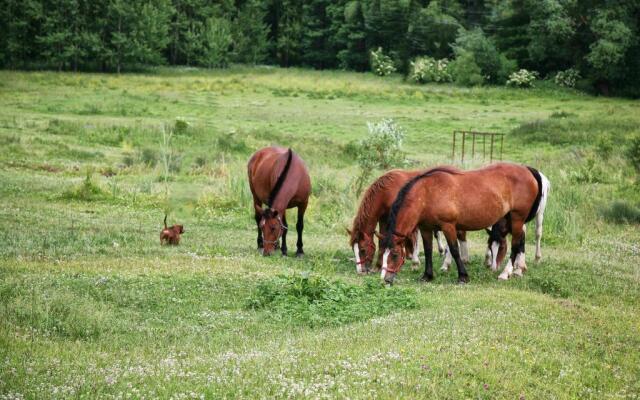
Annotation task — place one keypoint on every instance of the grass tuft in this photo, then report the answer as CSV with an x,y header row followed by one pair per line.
x,y
314,301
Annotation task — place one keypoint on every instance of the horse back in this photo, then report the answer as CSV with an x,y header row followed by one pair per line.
x,y
266,166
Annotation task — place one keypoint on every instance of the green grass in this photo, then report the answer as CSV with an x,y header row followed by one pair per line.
x,y
91,305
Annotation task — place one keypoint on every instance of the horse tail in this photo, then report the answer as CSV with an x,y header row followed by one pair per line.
x,y
281,178
165,221
536,202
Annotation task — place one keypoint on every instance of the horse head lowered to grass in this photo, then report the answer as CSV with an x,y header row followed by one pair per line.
x,y
278,178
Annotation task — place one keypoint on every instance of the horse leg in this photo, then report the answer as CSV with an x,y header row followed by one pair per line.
x,y
539,219
427,243
257,205
284,233
441,247
383,231
520,264
464,246
517,249
449,231
446,262
415,259
299,228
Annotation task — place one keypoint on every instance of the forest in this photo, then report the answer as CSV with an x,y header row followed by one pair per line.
x,y
593,42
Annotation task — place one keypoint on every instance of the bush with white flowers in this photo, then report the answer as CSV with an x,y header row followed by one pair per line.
x,y
381,64
567,78
427,69
523,78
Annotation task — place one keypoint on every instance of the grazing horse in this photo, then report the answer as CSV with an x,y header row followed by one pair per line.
x,y
374,210
441,198
278,178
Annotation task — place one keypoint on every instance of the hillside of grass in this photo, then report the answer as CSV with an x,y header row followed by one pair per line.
x,y
92,306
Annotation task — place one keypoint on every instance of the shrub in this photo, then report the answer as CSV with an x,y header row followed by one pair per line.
x,y
381,64
522,78
380,149
465,71
427,69
567,78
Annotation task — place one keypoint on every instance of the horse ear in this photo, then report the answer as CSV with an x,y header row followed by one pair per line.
x,y
379,236
348,231
488,231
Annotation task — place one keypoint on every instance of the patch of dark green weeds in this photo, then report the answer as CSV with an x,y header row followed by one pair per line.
x,y
305,299
621,212
548,285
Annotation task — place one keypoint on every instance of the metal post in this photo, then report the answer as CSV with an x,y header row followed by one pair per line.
x,y
453,148
473,147
484,148
464,135
491,156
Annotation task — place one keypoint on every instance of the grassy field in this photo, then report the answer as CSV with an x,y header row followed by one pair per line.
x,y
92,306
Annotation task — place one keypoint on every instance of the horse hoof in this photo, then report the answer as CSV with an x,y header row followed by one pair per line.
x,y
426,278
444,269
463,281
299,254
518,273
503,277
260,250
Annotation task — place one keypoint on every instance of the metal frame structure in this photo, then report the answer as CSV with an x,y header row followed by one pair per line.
x,y
493,139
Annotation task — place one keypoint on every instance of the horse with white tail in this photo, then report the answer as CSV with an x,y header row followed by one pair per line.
x,y
449,200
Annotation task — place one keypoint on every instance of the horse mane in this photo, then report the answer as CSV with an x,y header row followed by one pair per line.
x,y
364,211
280,181
400,198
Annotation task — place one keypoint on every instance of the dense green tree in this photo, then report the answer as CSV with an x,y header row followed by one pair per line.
x,y
495,67
599,38
316,41
250,33
349,34
217,43
432,29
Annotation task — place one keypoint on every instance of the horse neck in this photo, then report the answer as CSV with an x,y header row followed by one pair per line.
x,y
407,219
368,216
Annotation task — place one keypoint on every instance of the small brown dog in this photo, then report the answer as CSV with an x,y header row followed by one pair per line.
x,y
171,235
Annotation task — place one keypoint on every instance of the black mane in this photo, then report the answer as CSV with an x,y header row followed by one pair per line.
x,y
399,202
280,181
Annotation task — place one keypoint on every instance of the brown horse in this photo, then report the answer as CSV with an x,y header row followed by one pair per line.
x,y
461,200
278,178
373,211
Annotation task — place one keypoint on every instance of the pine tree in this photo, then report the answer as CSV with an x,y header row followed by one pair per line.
x,y
250,33
349,34
318,51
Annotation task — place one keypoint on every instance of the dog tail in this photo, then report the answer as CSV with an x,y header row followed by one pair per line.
x,y
165,221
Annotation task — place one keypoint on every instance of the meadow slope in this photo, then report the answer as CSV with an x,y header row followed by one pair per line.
x,y
91,305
